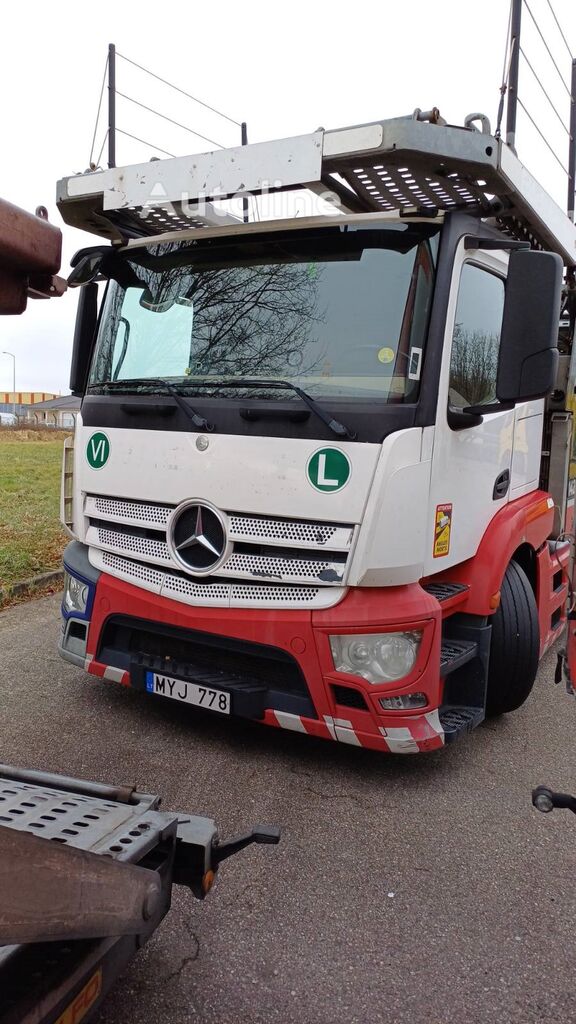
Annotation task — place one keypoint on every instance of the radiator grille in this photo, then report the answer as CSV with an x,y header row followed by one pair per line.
x,y
143,547
223,593
316,534
128,511
272,559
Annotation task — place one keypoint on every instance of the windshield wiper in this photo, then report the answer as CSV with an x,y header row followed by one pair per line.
x,y
138,383
252,382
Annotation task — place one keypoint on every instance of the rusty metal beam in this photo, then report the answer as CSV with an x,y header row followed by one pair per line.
x,y
27,242
13,292
30,255
52,892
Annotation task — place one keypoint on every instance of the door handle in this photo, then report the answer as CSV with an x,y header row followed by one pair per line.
x,y
501,485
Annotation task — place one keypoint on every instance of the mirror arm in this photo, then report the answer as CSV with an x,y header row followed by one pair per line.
x,y
472,415
461,419
483,410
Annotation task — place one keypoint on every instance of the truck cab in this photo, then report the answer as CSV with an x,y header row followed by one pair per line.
x,y
317,479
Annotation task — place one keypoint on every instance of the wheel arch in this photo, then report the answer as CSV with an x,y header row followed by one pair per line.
x,y
525,557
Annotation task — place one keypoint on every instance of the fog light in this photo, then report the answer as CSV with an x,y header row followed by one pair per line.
x,y
405,702
75,594
377,657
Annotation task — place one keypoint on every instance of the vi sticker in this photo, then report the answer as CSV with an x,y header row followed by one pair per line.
x,y
98,450
442,530
328,469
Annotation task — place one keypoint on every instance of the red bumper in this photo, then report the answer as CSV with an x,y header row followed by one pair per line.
x,y
305,636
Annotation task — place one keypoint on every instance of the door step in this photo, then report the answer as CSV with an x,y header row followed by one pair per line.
x,y
454,653
449,595
464,700
444,591
456,720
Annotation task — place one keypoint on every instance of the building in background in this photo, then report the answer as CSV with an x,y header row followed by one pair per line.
x,y
54,412
18,401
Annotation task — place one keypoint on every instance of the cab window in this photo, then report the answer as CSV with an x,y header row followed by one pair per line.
x,y
476,338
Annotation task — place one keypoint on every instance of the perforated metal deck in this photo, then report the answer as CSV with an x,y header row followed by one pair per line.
x,y
124,831
396,166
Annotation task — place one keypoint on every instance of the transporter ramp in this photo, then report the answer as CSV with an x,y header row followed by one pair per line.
x,y
86,874
416,166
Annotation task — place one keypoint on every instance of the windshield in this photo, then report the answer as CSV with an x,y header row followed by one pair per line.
x,y
339,312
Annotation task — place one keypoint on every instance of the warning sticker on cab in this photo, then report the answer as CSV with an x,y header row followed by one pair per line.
x,y
83,1002
442,528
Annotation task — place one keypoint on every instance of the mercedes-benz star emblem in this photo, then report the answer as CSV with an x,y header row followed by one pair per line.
x,y
197,537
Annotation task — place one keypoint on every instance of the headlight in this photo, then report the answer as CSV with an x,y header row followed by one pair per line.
x,y
75,594
377,657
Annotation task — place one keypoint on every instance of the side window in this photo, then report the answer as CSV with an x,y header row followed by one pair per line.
x,y
476,338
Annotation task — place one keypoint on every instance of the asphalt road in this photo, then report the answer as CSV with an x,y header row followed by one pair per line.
x,y
409,889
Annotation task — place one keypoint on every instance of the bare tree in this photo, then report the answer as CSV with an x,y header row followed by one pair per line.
x,y
473,366
253,320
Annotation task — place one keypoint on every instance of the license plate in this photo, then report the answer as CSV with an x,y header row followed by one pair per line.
x,y
189,693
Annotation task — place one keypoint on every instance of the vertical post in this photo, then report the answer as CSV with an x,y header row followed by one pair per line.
x,y
244,136
111,105
512,105
572,144
13,358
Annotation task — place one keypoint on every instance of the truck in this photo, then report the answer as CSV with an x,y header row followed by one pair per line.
x,y
323,475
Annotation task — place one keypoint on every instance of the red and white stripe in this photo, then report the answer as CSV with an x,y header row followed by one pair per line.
x,y
115,675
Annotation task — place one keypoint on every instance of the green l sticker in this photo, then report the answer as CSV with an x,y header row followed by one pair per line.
x,y
328,469
98,450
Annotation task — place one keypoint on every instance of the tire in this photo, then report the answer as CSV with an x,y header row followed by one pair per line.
x,y
515,644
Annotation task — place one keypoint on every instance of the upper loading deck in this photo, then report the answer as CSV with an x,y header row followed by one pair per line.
x,y
405,166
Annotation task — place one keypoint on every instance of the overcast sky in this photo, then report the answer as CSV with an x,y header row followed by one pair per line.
x,y
285,73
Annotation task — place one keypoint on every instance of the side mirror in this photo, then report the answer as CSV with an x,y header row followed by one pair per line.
x,y
84,335
528,359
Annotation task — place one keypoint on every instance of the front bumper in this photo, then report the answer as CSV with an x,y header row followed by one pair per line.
x,y
126,631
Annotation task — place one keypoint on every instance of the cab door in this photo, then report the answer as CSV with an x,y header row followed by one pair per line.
x,y
471,465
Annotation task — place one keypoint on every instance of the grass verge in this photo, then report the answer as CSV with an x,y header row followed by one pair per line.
x,y
31,538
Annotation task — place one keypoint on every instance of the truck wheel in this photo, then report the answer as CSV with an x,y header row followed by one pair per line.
x,y
515,645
